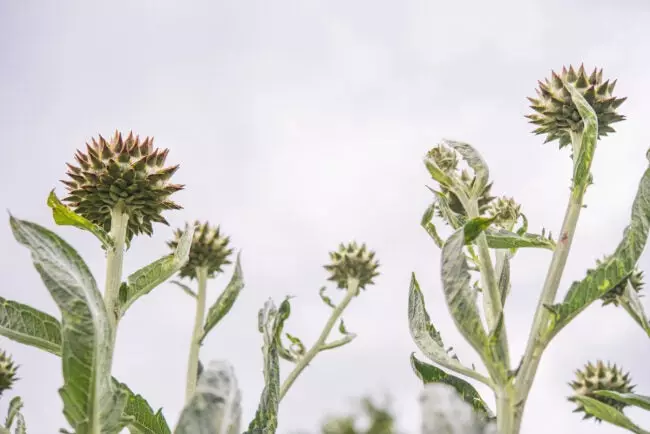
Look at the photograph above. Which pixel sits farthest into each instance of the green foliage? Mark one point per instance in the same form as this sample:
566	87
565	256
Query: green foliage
381	420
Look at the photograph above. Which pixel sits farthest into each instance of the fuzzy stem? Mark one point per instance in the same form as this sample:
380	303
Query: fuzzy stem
195	345
114	262
319	345
537	342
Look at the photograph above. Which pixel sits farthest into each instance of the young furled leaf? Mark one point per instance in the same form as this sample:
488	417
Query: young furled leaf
150	276
185	288
327	300
226	299
90	402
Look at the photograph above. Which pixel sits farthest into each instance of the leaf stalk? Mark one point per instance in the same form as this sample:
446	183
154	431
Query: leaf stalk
195	345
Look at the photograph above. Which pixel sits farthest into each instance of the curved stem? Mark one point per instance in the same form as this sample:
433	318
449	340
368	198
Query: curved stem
195	345
319	345
114	261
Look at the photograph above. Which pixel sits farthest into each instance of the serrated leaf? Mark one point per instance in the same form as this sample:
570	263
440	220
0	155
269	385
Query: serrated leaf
185	288
270	324
633	399
428	339
90	403
475	161
147	278
461	299
225	301
144	420
26	325
608	413
215	407
325	298
503	239
64	216
617	267
431	374
585	156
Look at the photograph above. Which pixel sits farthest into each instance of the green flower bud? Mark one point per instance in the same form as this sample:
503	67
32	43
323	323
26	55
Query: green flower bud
355	262
209	249
7	372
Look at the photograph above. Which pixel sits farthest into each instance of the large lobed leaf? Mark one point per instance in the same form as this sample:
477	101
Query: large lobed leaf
226	300
270	322
615	269
215	407
147	278
90	402
29	326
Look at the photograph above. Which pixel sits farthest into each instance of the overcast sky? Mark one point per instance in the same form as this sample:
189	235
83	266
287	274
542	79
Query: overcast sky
299	125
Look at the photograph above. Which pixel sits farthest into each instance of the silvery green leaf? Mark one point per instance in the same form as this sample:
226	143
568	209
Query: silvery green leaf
325	298
26	325
437	173
21	426
225	301
632	304
90	402
461	299
215	407
585	155
608	413
147	278
611	272
475	161
428	225
503	273
428	339
185	288
432	374
64	216
640	401
444	412
502	239
270	322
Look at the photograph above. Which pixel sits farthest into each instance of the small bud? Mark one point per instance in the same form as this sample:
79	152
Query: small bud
444	157
506	211
7	372
355	262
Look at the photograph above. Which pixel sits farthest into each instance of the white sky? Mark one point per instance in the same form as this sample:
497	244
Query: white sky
300	125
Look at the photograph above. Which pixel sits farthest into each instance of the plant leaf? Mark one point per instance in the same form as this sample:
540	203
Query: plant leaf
428	339
461	300
608	413
225	301
327	300
147	278
270	324
633	399
428	225
503	274
632	304
474	227
475	161
432	374
143	418
15	405
215	407
583	159
26	325
185	288
64	216
611	272
502	239
90	403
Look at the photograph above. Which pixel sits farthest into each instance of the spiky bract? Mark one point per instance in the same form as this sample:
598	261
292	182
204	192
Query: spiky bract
556	114
600	377
209	249
352	261
129	172
7	372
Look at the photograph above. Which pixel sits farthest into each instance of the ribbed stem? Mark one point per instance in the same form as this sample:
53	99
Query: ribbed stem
114	262
353	289
195	345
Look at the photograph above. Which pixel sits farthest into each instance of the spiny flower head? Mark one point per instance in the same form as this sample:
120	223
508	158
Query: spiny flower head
444	157
127	172
352	261
209	249
557	116
7	372
600	377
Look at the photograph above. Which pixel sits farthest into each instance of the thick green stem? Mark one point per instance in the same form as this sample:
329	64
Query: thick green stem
195	345
505	410
319	345
537	340
114	262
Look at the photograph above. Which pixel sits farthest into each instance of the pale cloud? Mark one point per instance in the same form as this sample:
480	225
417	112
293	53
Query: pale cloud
300	125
